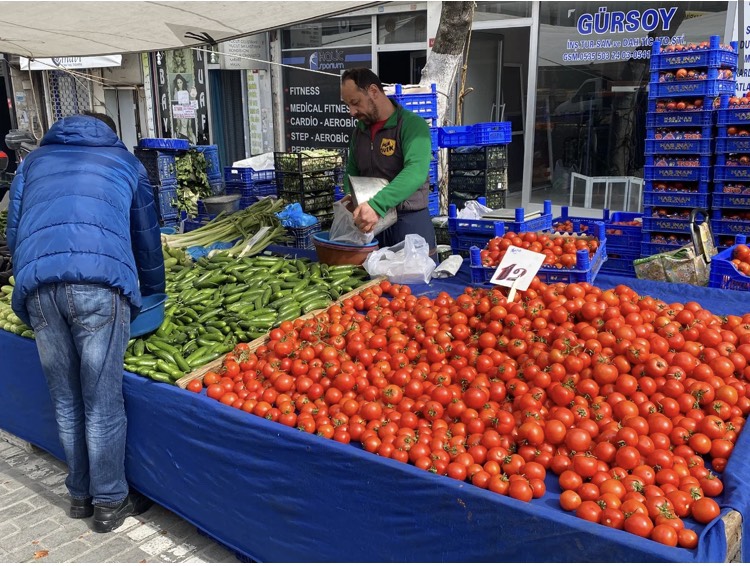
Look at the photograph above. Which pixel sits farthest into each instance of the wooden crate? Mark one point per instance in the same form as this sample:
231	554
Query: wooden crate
258	342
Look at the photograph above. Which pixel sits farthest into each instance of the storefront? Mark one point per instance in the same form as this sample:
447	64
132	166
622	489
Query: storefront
571	77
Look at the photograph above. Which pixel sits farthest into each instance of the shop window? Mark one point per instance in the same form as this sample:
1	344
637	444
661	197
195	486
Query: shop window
502	10
402	28
592	95
333	32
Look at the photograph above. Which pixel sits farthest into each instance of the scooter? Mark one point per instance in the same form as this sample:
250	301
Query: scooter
22	142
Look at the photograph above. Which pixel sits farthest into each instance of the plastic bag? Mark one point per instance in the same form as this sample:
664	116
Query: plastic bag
473	210
407	262
343	228
294	217
680	266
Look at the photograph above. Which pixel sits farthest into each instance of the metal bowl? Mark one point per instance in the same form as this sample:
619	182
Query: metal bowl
222	203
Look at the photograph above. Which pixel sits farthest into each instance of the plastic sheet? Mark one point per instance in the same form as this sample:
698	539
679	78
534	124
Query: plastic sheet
274	493
294	217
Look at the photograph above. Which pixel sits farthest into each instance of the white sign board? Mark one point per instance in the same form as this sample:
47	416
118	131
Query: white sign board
517	268
244	53
743	67
183	111
70	63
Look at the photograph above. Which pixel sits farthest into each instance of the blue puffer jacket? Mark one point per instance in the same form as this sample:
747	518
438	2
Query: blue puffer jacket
82	211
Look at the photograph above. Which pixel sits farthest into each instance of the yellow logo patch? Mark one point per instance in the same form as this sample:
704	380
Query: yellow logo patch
387	147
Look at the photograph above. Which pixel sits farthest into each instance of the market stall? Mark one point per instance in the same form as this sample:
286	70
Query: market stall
273	493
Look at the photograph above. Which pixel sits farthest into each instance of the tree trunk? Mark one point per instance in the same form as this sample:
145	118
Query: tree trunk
443	64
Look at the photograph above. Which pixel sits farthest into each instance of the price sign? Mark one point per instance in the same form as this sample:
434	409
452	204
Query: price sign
517	268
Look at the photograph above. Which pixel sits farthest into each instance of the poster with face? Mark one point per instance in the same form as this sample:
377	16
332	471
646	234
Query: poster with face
181	88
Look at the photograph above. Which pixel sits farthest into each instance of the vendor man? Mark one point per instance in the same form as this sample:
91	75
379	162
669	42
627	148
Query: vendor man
391	143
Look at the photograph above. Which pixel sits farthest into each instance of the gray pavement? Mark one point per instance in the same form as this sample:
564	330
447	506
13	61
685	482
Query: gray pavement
34	526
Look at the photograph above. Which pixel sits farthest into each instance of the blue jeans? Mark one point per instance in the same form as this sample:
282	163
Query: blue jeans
81	333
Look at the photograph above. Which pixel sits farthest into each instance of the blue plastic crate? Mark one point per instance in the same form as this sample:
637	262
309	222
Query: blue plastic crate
490	227
492	133
248	175
728	227
651	248
433	172
673	198
434	137
731	173
167	210
673	159
338	193
720	199
455	136
264	189
693	147
303	236
732	116
211	153
706	133
585	271
463	243
707	87
733	144
653	173
166	144
481	134
724	275
680	118
433	202
671	225
422	104
701	187
713	57
618	265
160	166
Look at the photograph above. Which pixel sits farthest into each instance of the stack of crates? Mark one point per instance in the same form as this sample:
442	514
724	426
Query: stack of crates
213	167
686	82
311	180
730	206
250	184
424	104
159	158
465	233
477	162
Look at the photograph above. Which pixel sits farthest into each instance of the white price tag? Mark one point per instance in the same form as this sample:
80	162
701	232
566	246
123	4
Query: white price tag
517	268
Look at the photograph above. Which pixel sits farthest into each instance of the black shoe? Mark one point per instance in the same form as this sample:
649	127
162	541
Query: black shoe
81	508
107	519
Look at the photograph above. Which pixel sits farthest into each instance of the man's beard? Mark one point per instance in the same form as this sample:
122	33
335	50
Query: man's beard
371	116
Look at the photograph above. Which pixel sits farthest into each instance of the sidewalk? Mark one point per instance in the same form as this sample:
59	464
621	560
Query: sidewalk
34	526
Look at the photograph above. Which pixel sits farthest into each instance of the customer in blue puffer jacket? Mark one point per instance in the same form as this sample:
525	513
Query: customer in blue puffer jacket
83	231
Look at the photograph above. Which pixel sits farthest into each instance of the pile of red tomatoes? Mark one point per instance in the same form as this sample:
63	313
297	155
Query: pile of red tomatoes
624	398
559	251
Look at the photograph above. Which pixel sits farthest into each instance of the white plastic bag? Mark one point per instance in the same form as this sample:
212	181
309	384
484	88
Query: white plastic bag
473	210
407	262
343	228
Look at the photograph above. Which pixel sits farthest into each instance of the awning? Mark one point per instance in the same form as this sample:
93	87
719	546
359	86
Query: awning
68	29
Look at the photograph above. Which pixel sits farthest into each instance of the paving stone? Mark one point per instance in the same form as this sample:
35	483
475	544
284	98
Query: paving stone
108	545
129	523
33	532
65	553
142	533
132	555
157	545
33	518
74	529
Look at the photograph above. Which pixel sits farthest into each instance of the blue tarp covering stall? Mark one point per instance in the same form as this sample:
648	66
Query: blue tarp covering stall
274	493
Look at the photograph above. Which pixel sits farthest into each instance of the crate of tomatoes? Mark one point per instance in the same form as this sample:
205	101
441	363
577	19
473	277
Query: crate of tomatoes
730	269
570	258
